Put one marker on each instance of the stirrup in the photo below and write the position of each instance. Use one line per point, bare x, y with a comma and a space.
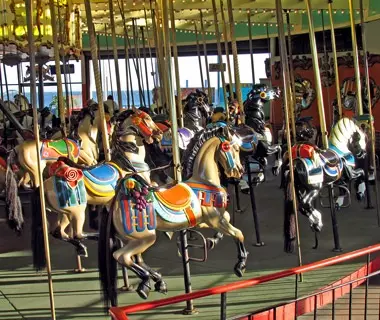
340, 201
203, 246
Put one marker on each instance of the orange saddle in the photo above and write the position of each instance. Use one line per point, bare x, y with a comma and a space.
176, 198
305, 151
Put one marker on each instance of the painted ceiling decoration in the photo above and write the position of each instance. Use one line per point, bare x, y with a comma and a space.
72, 24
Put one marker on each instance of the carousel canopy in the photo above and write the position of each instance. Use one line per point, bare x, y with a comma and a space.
72, 24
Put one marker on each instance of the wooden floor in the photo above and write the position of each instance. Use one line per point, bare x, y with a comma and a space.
341, 307
24, 294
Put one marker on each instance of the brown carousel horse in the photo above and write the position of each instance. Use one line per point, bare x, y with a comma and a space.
71, 187
138, 210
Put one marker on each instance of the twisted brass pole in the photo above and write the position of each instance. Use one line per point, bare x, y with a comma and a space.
335, 58
355, 55
292, 103
220, 57
61, 104
206, 58
250, 46
372, 129
199, 57
33, 101
317, 75
226, 49
235, 59
287, 99
98, 85
176, 65
115, 54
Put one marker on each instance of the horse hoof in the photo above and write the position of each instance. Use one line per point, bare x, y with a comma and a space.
161, 287
143, 290
245, 190
359, 196
240, 269
82, 251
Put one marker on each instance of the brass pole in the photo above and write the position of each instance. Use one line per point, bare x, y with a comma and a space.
176, 65
61, 104
355, 55
149, 48
292, 104
226, 49
157, 51
372, 129
335, 57
33, 101
287, 99
318, 84
115, 54
160, 56
217, 36
98, 85
206, 58
145, 65
235, 59
199, 57
176, 156
250, 46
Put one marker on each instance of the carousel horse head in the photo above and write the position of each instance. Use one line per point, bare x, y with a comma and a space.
138, 122
253, 106
304, 129
218, 115
347, 137
21, 101
223, 142
305, 95
196, 109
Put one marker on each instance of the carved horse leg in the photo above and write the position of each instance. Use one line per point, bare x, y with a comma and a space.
305, 205
220, 221
134, 246
74, 215
160, 285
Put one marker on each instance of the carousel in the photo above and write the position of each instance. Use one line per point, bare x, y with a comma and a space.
121, 195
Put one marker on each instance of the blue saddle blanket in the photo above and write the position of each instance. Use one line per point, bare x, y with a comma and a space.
103, 174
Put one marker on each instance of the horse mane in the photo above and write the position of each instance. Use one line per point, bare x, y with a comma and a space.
196, 144
88, 111
347, 127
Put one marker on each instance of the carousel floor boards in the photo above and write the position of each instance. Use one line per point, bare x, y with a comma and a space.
24, 294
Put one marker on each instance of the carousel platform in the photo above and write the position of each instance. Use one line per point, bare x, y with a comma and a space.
24, 294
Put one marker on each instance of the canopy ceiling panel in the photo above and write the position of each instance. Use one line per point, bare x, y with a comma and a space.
72, 24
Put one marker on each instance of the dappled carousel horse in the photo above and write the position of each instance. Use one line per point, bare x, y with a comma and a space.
71, 187
315, 168
138, 210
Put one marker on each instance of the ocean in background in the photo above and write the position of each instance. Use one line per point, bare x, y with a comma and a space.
137, 99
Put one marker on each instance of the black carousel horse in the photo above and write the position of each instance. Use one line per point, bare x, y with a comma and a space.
315, 169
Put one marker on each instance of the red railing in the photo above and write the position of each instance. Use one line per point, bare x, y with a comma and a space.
120, 313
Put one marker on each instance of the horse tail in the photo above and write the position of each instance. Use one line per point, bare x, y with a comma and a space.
289, 217
73, 164
13, 205
38, 241
106, 262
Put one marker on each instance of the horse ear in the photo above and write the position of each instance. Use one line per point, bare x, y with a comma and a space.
134, 109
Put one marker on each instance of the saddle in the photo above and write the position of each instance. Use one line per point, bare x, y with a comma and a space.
53, 149
330, 158
305, 151
102, 179
178, 205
